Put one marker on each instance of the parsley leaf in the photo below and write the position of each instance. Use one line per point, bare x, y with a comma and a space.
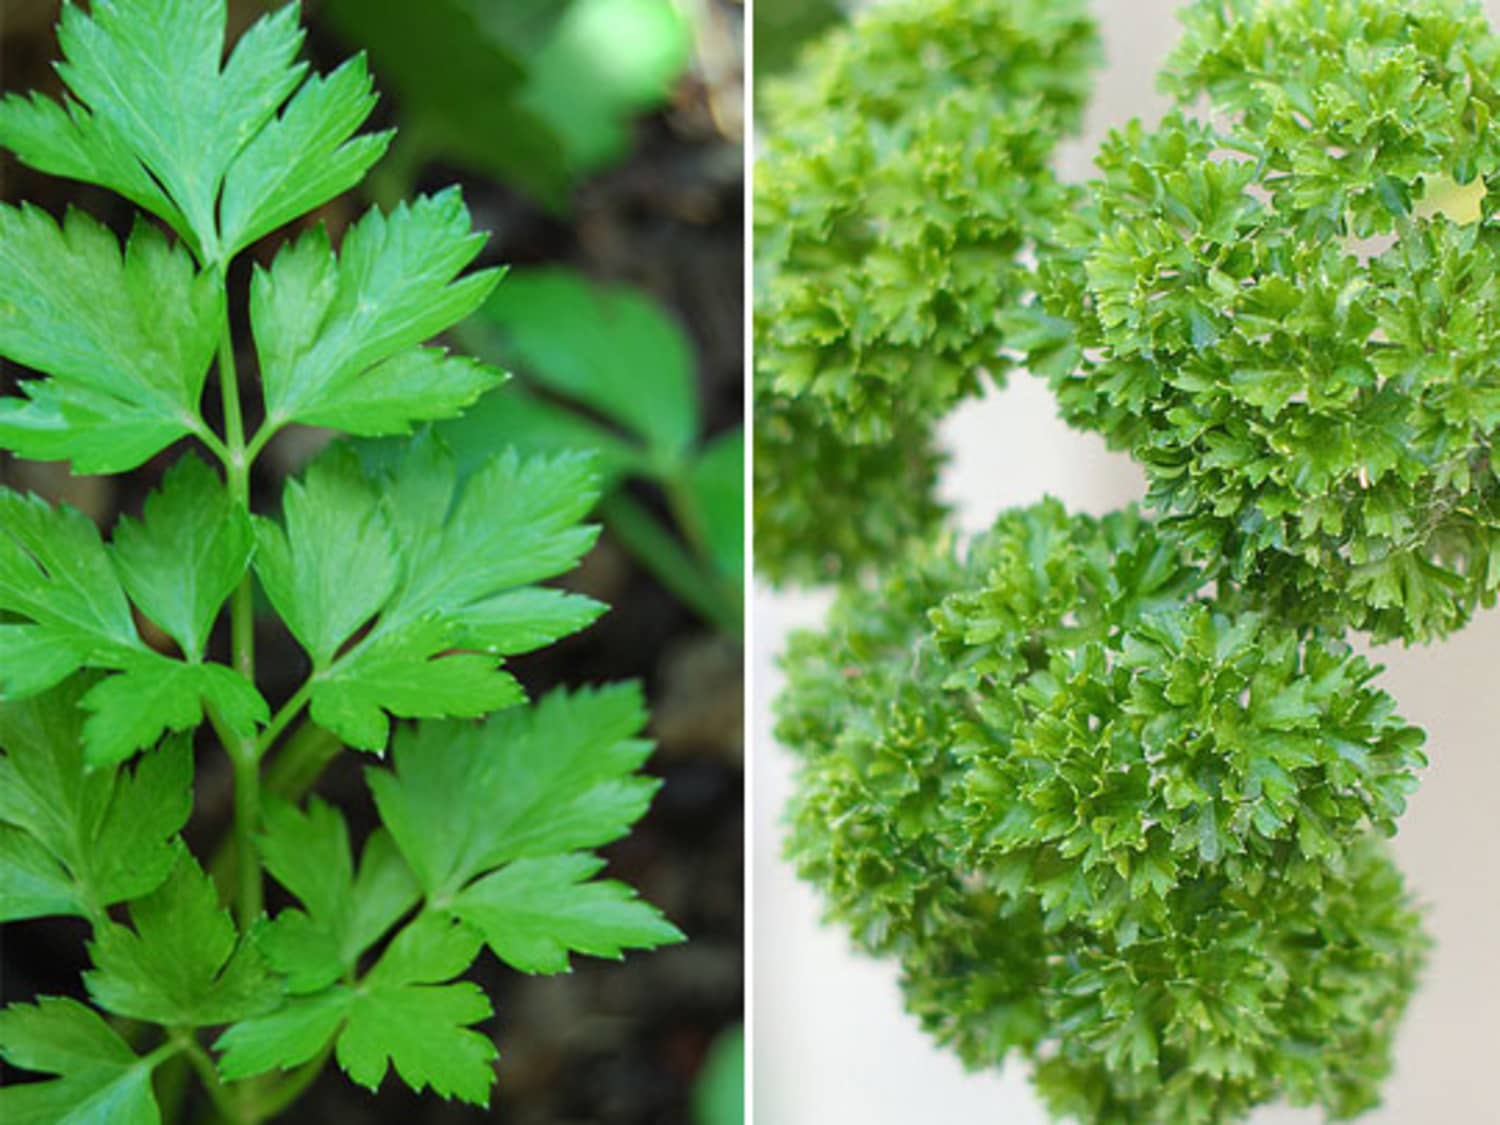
609, 348
56, 575
342, 915
69, 141
399, 1014
155, 71
305, 157
182, 965
551, 778
85, 839
336, 335
545, 780
183, 559
440, 567
126, 338
333, 566
533, 912
101, 1081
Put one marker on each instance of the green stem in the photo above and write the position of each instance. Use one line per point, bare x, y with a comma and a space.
244, 754
689, 516
301, 762
246, 820
688, 579
208, 1074
294, 1085
283, 719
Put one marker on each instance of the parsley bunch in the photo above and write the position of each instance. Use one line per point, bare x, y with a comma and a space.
1109, 824
1111, 790
903, 183
406, 586
1285, 307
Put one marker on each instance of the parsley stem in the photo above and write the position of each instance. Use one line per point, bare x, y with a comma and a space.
675, 567
243, 752
283, 719
302, 761
246, 819
294, 1085
223, 1100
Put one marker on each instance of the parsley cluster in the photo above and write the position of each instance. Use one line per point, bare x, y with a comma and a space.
1285, 305
904, 180
1111, 791
407, 585
1106, 823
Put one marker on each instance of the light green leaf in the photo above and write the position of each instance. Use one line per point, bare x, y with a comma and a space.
530, 618
152, 695
32, 883
718, 487
514, 417
554, 777
399, 1014
415, 385
409, 671
333, 566
55, 572
323, 322
73, 143
183, 559
341, 917
437, 637
111, 835
183, 964
610, 348
101, 1081
155, 71
305, 157
126, 338
534, 912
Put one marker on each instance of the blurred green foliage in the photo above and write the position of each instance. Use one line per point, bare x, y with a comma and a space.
537, 93
605, 368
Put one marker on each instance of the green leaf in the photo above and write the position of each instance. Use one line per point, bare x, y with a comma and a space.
554, 777
57, 576
719, 1092
155, 72
341, 916
467, 109
152, 695
534, 912
718, 487
101, 1081
418, 384
634, 52
611, 349
432, 566
127, 340
324, 324
185, 556
333, 566
399, 1014
81, 840
183, 964
305, 157
73, 143
54, 572
513, 417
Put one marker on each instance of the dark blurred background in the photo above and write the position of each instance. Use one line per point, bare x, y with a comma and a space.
610, 144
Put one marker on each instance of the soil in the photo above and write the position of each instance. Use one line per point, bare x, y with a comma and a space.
610, 1042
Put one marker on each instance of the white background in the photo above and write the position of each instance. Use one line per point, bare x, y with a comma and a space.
831, 1041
